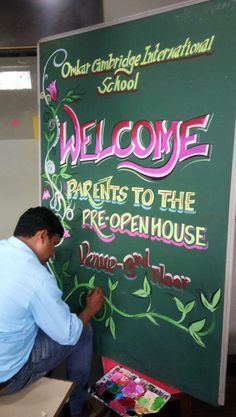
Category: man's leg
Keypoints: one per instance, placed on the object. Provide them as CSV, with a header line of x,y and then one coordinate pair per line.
x,y
78,370
47,354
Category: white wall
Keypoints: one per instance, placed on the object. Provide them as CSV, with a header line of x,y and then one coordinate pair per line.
x,y
19,181
116,9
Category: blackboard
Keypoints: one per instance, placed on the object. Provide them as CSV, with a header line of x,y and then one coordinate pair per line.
x,y
137,137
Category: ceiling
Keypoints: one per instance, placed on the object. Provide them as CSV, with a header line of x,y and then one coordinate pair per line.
x,y
24,22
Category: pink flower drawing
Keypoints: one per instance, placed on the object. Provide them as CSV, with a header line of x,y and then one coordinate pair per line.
x,y
46,194
66,233
52,89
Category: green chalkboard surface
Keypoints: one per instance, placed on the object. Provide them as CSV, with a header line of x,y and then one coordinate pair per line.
x,y
137,135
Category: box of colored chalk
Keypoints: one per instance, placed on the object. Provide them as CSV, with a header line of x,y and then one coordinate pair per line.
x,y
128,394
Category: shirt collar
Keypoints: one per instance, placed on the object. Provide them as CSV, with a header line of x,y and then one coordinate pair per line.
x,y
17,243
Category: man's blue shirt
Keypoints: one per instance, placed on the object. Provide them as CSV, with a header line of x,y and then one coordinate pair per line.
x,y
29,299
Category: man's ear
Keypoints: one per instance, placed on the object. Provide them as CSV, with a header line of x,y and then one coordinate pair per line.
x,y
41,235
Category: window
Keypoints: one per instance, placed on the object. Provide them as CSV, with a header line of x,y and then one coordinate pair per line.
x,y
18,97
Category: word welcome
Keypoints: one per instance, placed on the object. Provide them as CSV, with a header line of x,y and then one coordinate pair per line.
x,y
129,265
167,145
154,228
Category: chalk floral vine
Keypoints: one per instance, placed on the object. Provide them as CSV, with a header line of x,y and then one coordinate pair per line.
x,y
55,181
197,329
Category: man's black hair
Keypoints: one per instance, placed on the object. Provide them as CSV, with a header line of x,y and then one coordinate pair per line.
x,y
38,218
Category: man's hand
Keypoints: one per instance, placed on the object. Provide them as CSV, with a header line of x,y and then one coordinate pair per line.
x,y
94,301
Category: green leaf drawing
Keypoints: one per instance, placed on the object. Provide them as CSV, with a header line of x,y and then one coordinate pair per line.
x,y
75,97
205,302
140,293
63,170
149,317
184,309
196,327
146,291
113,287
112,327
65,266
188,307
66,176
69,100
91,281
110,284
71,96
198,339
69,93
146,286
215,299
76,282
179,304
107,322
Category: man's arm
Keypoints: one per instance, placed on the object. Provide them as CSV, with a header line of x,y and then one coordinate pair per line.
x,y
94,301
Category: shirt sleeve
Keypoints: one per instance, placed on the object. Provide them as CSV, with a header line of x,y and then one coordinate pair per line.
x,y
52,315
